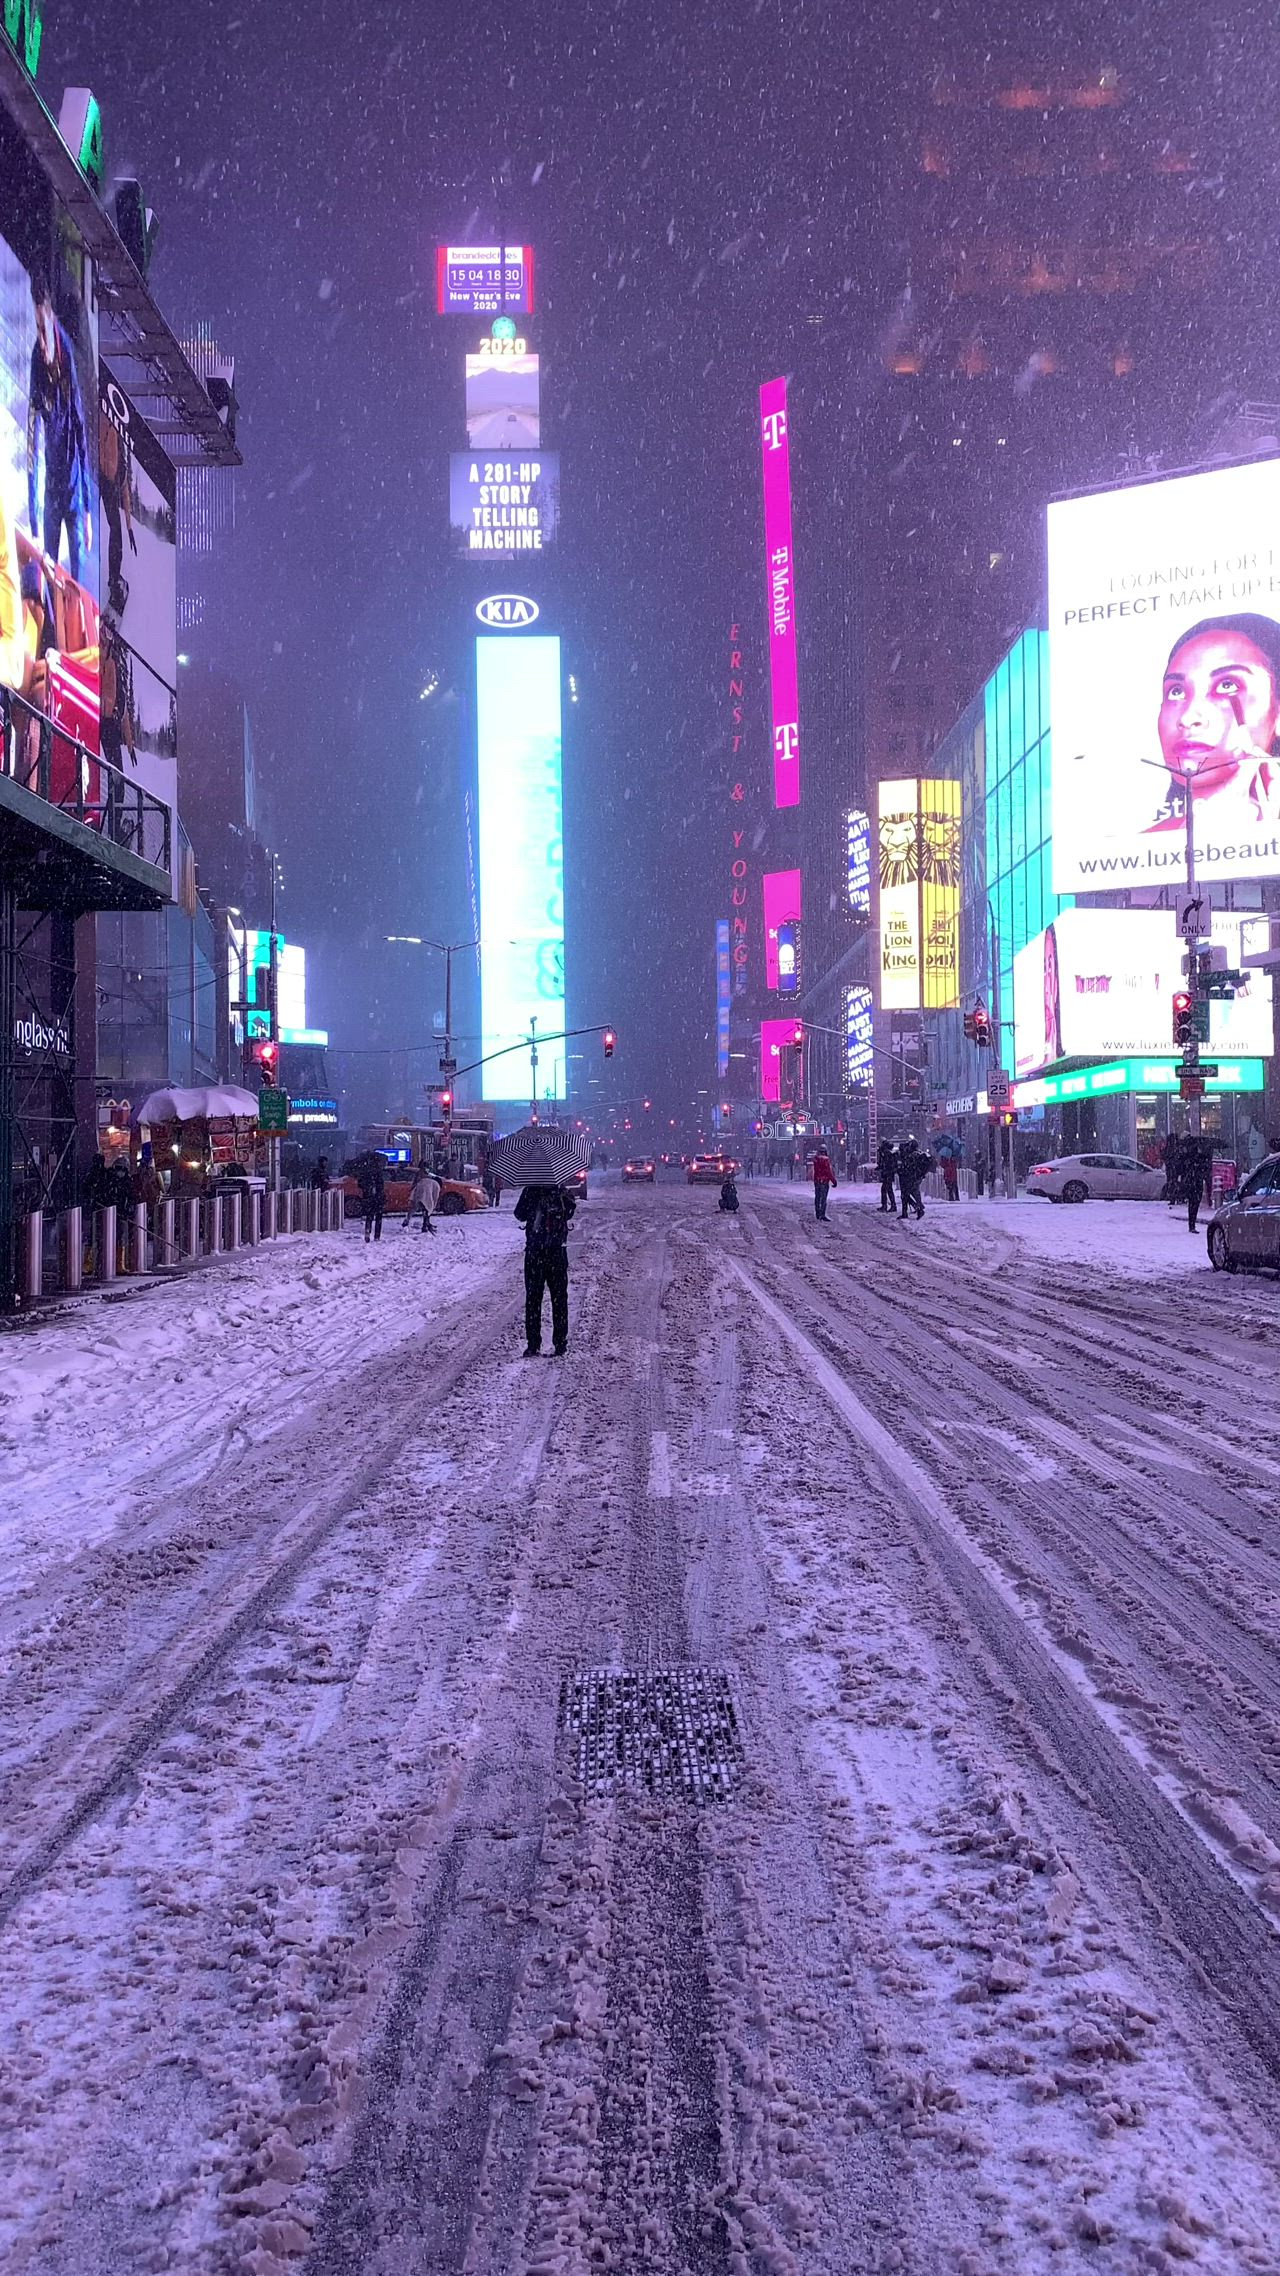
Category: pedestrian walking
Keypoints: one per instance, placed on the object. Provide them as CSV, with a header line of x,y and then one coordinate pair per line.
x,y
1172,1155
424,1198
886,1167
729,1195
912,1164
546,1213
495,1186
824,1177
319,1178
371,1178
951,1177
1196,1168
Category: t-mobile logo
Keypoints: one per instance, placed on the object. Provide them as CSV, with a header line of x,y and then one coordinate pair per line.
x,y
786,741
773,428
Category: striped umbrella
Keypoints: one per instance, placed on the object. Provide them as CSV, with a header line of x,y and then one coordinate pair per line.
x,y
540,1156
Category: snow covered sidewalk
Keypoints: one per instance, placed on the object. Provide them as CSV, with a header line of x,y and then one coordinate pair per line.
x,y
108,1400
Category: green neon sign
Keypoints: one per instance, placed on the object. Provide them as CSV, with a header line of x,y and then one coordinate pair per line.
x,y
1126,1075
24,30
80,125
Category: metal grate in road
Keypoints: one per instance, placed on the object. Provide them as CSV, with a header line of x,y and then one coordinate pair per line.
x,y
671,1731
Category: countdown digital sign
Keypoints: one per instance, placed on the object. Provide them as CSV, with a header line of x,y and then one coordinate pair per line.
x,y
475,280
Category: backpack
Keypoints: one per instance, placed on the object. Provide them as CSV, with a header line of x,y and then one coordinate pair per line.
x,y
549,1224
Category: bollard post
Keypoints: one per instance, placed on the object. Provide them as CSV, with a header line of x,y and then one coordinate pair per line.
x,y
272,1204
166,1237
105,1241
215,1225
253,1228
140,1243
32,1257
235,1210
71,1261
285,1218
334,1199
191,1228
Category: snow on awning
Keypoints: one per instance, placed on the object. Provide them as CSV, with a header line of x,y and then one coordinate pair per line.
x,y
215,1102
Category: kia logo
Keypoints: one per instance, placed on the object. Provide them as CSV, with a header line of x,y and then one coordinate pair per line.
x,y
506,610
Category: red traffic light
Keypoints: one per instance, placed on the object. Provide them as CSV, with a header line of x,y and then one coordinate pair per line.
x,y
268,1056
609,1039
798,1035
446,1102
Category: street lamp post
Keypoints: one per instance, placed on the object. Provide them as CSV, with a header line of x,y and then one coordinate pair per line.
x,y
448,949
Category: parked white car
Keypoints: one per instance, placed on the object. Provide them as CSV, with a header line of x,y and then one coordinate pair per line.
x,y
1096,1177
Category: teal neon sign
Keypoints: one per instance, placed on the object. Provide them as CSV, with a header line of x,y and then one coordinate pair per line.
x,y
24,30
1126,1075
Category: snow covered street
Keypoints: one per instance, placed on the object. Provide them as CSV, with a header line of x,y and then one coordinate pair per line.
x,y
914,1905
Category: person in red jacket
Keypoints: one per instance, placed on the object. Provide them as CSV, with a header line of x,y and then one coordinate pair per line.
x,y
824,1177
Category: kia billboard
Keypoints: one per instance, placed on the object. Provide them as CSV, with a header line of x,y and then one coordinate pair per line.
x,y
503,504
475,280
1164,658
519,785
775,453
1099,984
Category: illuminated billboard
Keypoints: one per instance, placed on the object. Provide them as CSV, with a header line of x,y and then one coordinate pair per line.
x,y
291,988
919,865
859,1028
1099,984
49,508
777,1038
724,995
859,854
519,786
775,451
474,280
783,911
502,504
138,494
1164,668
502,402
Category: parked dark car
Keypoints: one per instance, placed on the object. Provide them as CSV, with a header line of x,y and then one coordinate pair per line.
x,y
1244,1233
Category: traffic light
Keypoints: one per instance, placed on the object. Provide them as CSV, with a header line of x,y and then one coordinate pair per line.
x,y
977,1027
1009,1119
609,1040
267,1055
798,1035
446,1102
1184,1018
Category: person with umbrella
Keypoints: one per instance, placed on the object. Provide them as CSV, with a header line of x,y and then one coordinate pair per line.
x,y
545,1163
946,1149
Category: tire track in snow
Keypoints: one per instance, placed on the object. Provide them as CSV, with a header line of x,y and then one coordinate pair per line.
x,y
1216,1923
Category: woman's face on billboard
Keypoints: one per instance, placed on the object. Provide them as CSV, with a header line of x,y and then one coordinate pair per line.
x,y
1219,706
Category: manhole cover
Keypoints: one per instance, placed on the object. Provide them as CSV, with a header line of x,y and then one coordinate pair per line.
x,y
653,1730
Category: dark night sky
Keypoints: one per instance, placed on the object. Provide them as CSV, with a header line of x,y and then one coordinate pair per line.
x,y
694,181
303,163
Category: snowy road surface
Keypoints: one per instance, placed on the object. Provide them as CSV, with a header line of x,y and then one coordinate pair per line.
x,y
320,1956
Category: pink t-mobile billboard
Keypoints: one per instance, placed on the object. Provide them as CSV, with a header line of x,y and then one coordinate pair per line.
x,y
777,1036
782,913
775,452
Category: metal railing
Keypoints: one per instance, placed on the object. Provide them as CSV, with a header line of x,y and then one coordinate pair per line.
x,y
62,1252
41,756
